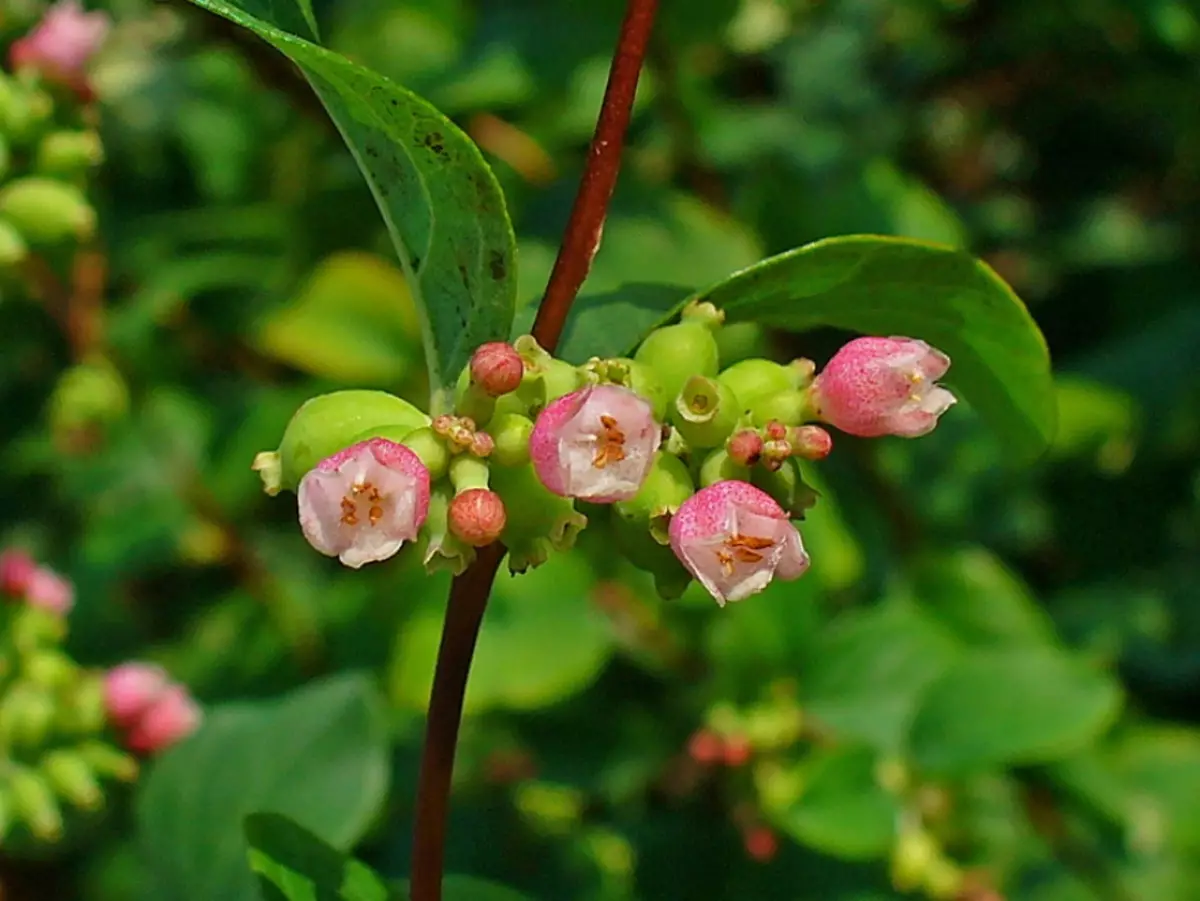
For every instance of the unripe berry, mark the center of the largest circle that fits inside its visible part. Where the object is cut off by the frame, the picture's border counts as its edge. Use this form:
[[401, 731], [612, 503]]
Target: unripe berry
[[677, 352], [510, 432], [69, 153], [46, 211], [477, 516], [497, 368], [754, 379], [705, 412]]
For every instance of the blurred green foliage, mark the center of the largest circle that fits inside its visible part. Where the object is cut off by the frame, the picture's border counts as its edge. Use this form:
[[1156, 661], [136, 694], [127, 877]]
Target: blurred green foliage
[[1005, 658]]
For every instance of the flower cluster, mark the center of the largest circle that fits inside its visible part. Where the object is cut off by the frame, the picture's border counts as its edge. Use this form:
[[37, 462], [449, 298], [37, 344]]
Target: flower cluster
[[699, 464]]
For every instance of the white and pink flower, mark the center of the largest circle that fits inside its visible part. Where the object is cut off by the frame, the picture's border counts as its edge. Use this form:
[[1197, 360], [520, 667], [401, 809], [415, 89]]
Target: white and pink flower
[[734, 539], [63, 43], [596, 444], [883, 386], [362, 504]]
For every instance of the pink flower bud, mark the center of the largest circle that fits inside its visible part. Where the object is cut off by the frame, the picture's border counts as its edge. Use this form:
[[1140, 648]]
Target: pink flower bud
[[745, 447], [130, 689], [706, 747], [50, 591], [16, 570], [761, 844], [734, 539], [364, 502], [63, 43], [477, 516], [810, 442], [171, 717], [482, 444], [883, 386], [497, 368], [596, 444], [775, 430]]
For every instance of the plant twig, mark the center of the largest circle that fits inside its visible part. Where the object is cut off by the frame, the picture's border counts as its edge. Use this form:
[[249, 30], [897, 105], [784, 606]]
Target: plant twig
[[469, 592], [582, 236]]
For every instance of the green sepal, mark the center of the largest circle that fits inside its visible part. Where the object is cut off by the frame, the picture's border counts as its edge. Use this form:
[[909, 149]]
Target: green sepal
[[705, 412], [671, 579], [438, 548], [539, 521]]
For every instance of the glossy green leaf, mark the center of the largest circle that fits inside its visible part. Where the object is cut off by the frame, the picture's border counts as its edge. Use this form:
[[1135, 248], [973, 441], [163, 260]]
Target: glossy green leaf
[[894, 286], [1002, 707], [318, 755], [441, 202], [292, 864], [843, 811], [865, 674]]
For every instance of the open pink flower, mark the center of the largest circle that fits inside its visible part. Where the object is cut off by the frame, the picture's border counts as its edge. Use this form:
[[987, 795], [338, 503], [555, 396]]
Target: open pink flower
[[50, 591], [130, 689], [171, 717], [63, 43], [735, 539], [16, 571], [596, 444], [364, 502], [883, 386]]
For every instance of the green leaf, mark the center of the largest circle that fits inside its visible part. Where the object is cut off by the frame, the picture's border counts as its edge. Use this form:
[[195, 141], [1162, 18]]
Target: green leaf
[[319, 755], [1020, 706], [542, 641], [467, 888], [442, 204], [843, 810], [292, 864], [1160, 767], [865, 674], [894, 286]]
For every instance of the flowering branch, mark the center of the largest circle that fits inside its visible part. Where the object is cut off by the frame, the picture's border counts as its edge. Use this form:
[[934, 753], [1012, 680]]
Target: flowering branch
[[469, 592]]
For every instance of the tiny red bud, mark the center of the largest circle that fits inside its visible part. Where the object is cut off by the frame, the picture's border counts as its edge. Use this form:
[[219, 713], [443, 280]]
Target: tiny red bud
[[497, 368], [477, 516], [442, 425], [745, 447], [775, 430], [810, 442], [482, 444], [737, 751], [706, 747], [761, 844], [774, 453]]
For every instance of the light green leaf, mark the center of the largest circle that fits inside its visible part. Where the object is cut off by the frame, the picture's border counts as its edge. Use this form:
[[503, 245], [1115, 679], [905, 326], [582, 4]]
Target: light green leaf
[[442, 204], [292, 864], [1004, 707], [866, 672], [843, 810], [895, 286], [319, 755]]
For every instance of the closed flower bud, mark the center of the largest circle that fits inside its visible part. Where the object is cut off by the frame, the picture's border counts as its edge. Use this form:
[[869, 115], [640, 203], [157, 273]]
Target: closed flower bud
[[92, 393], [63, 43], [810, 442], [678, 352], [596, 444], [482, 444], [734, 539], [745, 447], [49, 591], [325, 425], [363, 503], [539, 522], [706, 747], [172, 717], [510, 433], [72, 779], [16, 570], [46, 211], [497, 368], [883, 386], [705, 412], [477, 516], [69, 153], [130, 689]]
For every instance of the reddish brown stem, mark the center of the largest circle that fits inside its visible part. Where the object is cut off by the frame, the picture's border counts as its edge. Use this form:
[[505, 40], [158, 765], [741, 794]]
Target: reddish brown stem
[[582, 237], [469, 592]]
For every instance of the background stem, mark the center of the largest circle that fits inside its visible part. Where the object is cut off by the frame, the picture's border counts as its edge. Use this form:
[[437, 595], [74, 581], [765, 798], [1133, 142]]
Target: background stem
[[469, 591]]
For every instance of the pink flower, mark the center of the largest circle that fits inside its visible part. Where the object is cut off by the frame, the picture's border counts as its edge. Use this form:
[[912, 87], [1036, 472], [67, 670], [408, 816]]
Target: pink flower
[[735, 539], [497, 368], [16, 571], [130, 689], [364, 502], [596, 444], [883, 386], [171, 717], [50, 591], [63, 43]]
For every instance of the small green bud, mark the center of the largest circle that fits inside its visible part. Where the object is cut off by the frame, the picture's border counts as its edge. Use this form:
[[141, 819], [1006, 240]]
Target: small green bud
[[705, 412], [467, 472], [538, 521], [914, 851], [32, 627], [666, 487], [88, 394], [510, 432], [72, 779], [755, 379], [107, 761], [33, 802], [327, 424], [718, 466], [787, 486], [46, 211], [13, 249], [69, 153], [23, 110], [678, 352], [27, 715]]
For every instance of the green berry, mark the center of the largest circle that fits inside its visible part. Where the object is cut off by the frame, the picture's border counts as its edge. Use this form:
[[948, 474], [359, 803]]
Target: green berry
[[46, 211]]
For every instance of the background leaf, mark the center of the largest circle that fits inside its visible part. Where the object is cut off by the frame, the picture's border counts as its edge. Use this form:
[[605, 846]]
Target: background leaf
[[318, 755], [443, 206]]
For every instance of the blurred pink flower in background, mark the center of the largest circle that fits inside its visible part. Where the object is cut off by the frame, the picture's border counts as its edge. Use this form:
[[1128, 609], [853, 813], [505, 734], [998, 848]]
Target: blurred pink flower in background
[[63, 43]]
